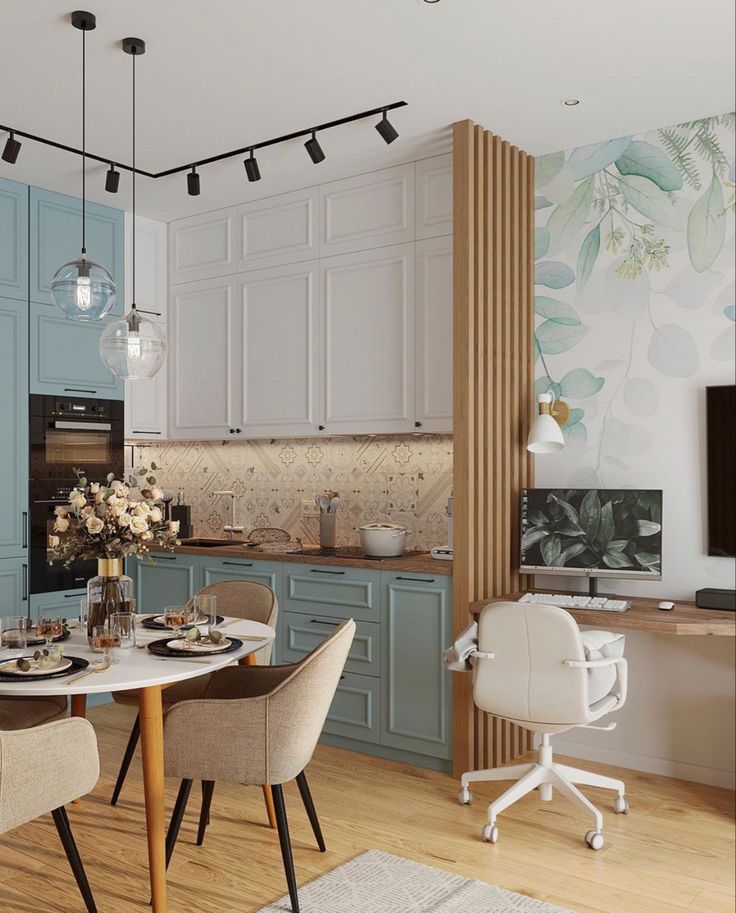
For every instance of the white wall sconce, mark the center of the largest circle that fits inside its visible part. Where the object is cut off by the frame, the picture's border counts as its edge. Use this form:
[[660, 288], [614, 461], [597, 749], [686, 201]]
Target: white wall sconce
[[545, 435]]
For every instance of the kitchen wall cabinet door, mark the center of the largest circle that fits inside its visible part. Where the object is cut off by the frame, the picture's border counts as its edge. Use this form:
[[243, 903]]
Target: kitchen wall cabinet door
[[434, 197], [416, 626], [279, 384], [367, 211], [14, 234], [204, 360], [146, 400], [14, 586], [14, 424], [204, 246], [168, 580], [367, 341], [434, 335], [56, 238], [279, 229]]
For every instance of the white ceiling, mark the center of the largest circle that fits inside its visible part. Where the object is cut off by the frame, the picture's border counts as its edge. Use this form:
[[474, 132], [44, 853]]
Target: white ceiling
[[220, 75]]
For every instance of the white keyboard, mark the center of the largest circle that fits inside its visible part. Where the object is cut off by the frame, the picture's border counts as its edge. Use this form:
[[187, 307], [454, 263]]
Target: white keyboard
[[566, 601]]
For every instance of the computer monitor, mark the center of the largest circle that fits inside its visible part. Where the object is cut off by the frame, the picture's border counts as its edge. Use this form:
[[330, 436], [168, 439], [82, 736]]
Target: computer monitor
[[591, 532]]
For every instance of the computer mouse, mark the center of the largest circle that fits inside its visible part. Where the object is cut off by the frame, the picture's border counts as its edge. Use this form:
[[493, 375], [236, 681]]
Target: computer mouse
[[666, 606]]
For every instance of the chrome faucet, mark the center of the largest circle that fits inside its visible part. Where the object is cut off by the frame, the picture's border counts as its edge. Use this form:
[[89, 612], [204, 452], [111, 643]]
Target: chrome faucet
[[231, 527]]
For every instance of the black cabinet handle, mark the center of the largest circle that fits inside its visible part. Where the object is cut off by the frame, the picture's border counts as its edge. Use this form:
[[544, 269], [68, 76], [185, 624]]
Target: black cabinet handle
[[342, 678], [78, 390], [321, 427], [238, 430], [328, 624], [232, 431], [416, 579], [315, 570], [24, 543], [164, 558], [71, 595], [417, 424], [239, 563], [24, 595], [146, 432]]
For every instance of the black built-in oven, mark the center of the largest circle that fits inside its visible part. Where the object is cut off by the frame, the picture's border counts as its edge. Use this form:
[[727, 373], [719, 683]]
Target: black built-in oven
[[67, 434]]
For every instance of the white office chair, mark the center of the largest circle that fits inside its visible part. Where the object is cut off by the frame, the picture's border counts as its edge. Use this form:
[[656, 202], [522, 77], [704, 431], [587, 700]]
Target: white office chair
[[531, 668]]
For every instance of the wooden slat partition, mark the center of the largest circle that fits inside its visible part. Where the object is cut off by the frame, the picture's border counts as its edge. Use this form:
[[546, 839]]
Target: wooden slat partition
[[493, 237]]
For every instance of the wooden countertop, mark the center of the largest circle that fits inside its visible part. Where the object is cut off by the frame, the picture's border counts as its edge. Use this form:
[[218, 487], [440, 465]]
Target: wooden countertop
[[643, 615], [408, 563]]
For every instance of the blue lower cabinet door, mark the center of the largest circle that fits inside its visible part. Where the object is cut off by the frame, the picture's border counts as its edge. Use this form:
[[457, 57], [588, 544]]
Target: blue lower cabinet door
[[13, 587], [64, 604], [343, 592], [168, 580], [217, 570], [300, 634], [417, 700], [356, 709]]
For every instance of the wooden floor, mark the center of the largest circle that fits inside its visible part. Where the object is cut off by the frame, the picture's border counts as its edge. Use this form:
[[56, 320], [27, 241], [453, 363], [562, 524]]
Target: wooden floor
[[673, 852]]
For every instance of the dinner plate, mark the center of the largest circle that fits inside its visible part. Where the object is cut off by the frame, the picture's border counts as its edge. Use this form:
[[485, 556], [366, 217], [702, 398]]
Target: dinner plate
[[182, 645], [10, 668], [157, 623], [162, 648], [33, 641]]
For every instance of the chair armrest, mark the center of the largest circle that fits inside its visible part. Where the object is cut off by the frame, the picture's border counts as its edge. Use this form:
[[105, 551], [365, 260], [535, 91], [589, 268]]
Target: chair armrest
[[44, 768], [622, 672]]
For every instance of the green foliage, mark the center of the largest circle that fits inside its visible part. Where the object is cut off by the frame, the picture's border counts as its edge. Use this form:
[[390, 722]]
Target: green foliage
[[557, 311], [649, 162], [588, 255], [706, 227]]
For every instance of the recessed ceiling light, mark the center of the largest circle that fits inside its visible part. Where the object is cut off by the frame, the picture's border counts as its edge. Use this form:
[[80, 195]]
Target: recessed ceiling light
[[570, 102]]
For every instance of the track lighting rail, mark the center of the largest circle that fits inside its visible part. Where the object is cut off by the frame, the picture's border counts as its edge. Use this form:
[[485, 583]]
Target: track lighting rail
[[307, 132]]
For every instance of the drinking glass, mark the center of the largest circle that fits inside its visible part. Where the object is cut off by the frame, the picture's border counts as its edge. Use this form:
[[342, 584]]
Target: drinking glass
[[104, 639], [123, 624], [13, 632], [49, 628], [205, 607], [175, 616]]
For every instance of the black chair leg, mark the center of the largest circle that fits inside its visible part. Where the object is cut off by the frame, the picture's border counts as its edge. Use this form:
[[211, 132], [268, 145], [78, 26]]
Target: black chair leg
[[72, 854], [176, 818], [301, 782], [127, 758], [208, 787], [285, 841]]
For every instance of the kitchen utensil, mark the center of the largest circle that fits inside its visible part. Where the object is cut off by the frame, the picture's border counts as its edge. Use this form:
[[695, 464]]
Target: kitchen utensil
[[323, 502], [333, 505], [383, 540]]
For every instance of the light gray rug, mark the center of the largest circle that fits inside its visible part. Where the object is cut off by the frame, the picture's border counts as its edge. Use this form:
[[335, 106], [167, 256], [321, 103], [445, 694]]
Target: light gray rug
[[380, 883]]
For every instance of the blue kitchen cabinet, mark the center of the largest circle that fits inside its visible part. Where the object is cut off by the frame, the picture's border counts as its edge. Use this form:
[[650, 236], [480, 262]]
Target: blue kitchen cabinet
[[14, 240], [167, 580], [355, 712], [416, 711], [14, 425], [13, 586], [341, 592], [62, 604]]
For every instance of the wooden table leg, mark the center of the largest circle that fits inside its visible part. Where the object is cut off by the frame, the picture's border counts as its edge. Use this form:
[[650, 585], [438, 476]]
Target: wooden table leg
[[79, 705], [152, 749], [250, 660]]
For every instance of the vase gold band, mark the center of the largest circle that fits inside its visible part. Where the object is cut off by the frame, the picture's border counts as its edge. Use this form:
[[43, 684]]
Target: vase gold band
[[110, 567]]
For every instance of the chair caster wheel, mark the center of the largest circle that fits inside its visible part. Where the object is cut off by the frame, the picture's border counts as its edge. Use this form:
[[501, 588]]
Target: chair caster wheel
[[621, 806], [466, 797], [490, 833], [594, 839]]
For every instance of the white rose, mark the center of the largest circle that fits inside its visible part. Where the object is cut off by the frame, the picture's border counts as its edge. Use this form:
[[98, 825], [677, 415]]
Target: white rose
[[117, 505], [174, 526], [53, 541], [61, 511], [142, 509], [61, 525], [156, 494], [88, 511], [77, 499], [94, 525], [99, 498], [94, 488], [138, 525], [155, 515], [124, 519], [147, 535]]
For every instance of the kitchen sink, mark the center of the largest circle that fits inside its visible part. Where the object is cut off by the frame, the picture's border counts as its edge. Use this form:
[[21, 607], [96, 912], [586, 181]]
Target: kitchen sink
[[211, 543]]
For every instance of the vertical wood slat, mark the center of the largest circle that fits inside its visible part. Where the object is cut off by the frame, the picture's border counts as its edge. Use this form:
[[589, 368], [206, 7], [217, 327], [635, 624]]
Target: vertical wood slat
[[492, 398]]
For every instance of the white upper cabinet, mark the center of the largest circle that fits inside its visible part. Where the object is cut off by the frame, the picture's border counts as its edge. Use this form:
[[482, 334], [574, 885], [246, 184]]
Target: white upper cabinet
[[434, 197], [367, 211], [203, 246], [280, 229], [145, 400], [204, 340], [368, 341], [279, 379], [434, 335]]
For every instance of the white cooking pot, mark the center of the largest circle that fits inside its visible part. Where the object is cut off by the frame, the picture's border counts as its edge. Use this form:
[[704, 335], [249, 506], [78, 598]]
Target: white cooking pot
[[383, 540]]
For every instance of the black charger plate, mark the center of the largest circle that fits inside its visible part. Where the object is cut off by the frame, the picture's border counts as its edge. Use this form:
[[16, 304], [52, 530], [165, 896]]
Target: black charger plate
[[160, 648], [160, 626], [77, 665], [34, 641]]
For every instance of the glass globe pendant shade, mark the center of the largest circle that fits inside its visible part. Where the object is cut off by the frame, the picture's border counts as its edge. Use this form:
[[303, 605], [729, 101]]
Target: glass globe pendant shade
[[83, 290], [133, 348]]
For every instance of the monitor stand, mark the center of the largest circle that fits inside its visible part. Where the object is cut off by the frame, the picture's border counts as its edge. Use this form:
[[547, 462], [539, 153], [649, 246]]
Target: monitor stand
[[593, 590]]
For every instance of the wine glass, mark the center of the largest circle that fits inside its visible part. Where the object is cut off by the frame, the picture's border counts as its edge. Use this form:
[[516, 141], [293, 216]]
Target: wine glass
[[49, 628], [105, 639], [175, 616]]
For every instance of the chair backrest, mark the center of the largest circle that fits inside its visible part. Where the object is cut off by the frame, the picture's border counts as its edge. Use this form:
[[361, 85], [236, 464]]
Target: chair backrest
[[246, 599], [526, 681]]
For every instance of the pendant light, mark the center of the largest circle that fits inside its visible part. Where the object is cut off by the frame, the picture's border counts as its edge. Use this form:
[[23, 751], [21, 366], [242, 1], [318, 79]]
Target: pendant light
[[81, 289], [132, 347]]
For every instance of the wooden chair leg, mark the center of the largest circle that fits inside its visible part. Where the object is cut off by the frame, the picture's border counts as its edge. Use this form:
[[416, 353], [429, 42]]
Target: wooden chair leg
[[301, 782], [135, 733], [72, 854], [208, 787], [176, 818], [268, 798], [285, 841]]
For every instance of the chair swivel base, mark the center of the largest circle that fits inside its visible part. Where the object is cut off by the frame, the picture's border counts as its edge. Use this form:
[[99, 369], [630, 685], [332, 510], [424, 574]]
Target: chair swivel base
[[545, 775]]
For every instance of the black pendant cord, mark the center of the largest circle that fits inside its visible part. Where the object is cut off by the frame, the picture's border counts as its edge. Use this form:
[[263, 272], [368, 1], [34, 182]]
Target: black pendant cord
[[84, 141], [133, 182]]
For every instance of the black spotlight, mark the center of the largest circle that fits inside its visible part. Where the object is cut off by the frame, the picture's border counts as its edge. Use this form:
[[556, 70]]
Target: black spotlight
[[387, 129], [11, 150], [112, 180], [314, 149], [193, 183], [251, 168]]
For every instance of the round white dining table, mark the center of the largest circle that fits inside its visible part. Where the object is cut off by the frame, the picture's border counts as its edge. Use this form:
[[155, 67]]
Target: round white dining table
[[139, 670]]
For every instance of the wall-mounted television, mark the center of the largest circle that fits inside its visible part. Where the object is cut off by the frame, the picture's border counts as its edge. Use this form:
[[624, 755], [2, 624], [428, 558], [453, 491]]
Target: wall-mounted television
[[721, 424]]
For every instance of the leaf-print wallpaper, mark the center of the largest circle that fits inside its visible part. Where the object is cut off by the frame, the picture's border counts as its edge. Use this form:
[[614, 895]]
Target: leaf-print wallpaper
[[634, 277]]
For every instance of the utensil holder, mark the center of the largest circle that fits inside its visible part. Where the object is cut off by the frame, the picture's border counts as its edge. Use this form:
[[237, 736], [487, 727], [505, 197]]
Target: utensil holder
[[327, 530]]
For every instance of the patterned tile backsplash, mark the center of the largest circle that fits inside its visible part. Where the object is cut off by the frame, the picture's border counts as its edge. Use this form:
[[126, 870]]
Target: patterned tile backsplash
[[409, 478]]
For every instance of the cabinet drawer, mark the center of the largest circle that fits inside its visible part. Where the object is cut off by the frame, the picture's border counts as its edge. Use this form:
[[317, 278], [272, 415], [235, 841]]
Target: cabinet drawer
[[338, 592], [215, 570], [356, 708], [302, 633], [65, 604]]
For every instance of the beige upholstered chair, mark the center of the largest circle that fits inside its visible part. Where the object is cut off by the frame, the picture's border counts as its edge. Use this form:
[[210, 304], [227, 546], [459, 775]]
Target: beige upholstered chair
[[256, 725], [24, 712], [235, 598], [41, 770]]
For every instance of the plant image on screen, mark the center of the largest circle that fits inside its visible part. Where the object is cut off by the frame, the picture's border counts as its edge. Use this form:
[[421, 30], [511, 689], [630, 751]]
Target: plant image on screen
[[595, 529]]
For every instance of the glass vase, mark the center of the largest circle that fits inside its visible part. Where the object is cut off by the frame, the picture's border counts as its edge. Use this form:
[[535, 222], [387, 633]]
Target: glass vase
[[109, 592]]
